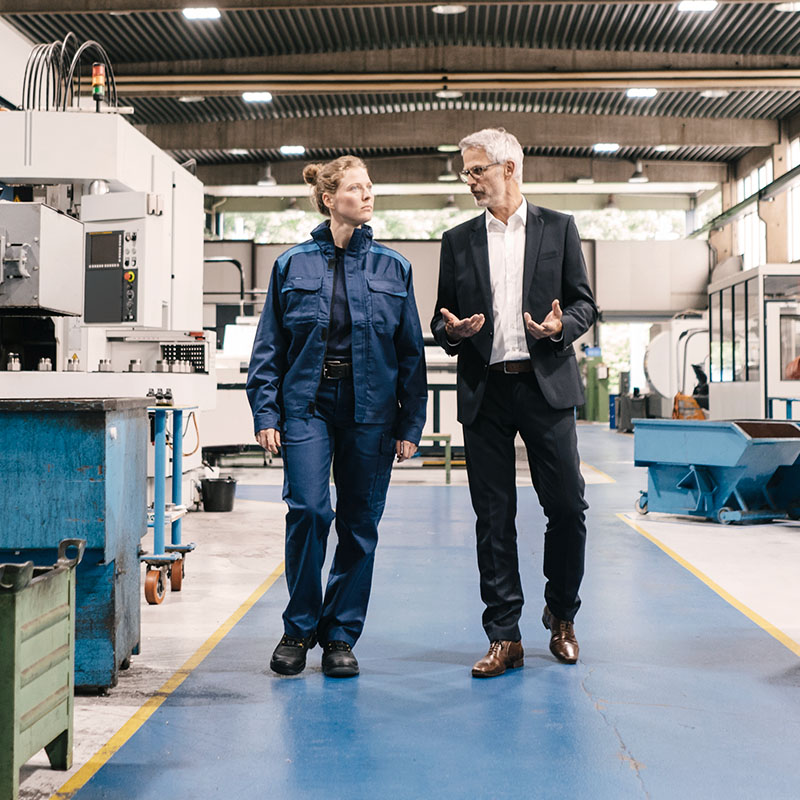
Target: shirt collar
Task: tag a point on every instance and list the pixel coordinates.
(522, 213)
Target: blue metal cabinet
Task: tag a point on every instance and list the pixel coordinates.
(78, 469)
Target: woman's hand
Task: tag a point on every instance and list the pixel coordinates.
(269, 439)
(405, 449)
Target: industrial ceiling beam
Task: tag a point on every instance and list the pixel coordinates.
(537, 169)
(424, 128)
(132, 6)
(342, 83)
(445, 59)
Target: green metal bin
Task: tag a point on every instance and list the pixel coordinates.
(37, 657)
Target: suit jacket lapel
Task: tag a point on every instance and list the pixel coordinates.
(533, 241)
(479, 248)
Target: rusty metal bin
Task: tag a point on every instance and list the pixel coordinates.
(37, 657)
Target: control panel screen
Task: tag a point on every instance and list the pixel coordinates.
(105, 249)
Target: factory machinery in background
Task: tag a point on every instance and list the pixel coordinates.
(101, 246)
(101, 272)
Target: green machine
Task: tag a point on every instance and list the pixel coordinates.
(37, 656)
(595, 375)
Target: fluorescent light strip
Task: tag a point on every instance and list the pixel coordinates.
(207, 12)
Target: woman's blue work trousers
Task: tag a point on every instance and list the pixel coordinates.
(362, 457)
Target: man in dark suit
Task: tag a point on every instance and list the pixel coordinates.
(513, 297)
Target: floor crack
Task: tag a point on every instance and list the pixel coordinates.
(625, 754)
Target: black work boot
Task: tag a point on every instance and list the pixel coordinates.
(338, 660)
(289, 657)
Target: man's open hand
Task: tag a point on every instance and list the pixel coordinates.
(456, 328)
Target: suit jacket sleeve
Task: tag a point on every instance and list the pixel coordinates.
(446, 296)
(578, 303)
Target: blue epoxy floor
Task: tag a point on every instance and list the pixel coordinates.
(676, 695)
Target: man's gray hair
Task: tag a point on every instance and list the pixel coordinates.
(499, 145)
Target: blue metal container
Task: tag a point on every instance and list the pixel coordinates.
(78, 469)
(729, 471)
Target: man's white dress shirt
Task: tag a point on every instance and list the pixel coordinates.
(506, 264)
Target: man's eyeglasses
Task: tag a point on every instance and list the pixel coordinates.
(476, 172)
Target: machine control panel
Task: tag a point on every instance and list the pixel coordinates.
(112, 275)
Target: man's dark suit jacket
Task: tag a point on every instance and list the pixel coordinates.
(554, 270)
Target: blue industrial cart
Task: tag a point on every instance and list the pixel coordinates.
(78, 469)
(728, 471)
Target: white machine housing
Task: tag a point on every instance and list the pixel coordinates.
(674, 346)
(754, 319)
(123, 184)
(38, 246)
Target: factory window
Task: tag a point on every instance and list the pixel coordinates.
(782, 287)
(790, 347)
(726, 336)
(739, 349)
(713, 316)
(753, 332)
(751, 231)
(794, 204)
(734, 333)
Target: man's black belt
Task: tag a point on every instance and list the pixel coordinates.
(335, 369)
(512, 367)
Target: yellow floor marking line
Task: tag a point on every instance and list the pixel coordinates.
(600, 472)
(85, 773)
(776, 633)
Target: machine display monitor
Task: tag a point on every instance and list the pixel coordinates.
(105, 249)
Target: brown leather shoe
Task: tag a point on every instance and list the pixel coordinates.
(563, 644)
(501, 656)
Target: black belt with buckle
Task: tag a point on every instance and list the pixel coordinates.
(512, 367)
(337, 369)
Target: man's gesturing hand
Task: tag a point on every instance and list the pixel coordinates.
(456, 328)
(551, 326)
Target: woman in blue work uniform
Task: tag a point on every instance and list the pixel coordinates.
(337, 374)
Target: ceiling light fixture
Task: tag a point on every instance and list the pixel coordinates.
(666, 148)
(447, 148)
(714, 93)
(586, 181)
(292, 149)
(237, 151)
(207, 12)
(191, 98)
(697, 5)
(449, 8)
(638, 174)
(641, 91)
(447, 174)
(267, 179)
(257, 97)
(606, 147)
(449, 94)
(792, 8)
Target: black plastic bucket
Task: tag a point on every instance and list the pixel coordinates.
(218, 493)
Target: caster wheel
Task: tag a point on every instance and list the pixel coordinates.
(641, 505)
(125, 664)
(176, 574)
(154, 587)
(723, 510)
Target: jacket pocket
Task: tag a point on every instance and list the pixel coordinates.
(300, 295)
(386, 299)
(567, 351)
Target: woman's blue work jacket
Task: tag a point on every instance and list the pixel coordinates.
(387, 350)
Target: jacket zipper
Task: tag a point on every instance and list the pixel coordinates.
(331, 265)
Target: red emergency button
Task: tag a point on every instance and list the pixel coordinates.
(130, 276)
